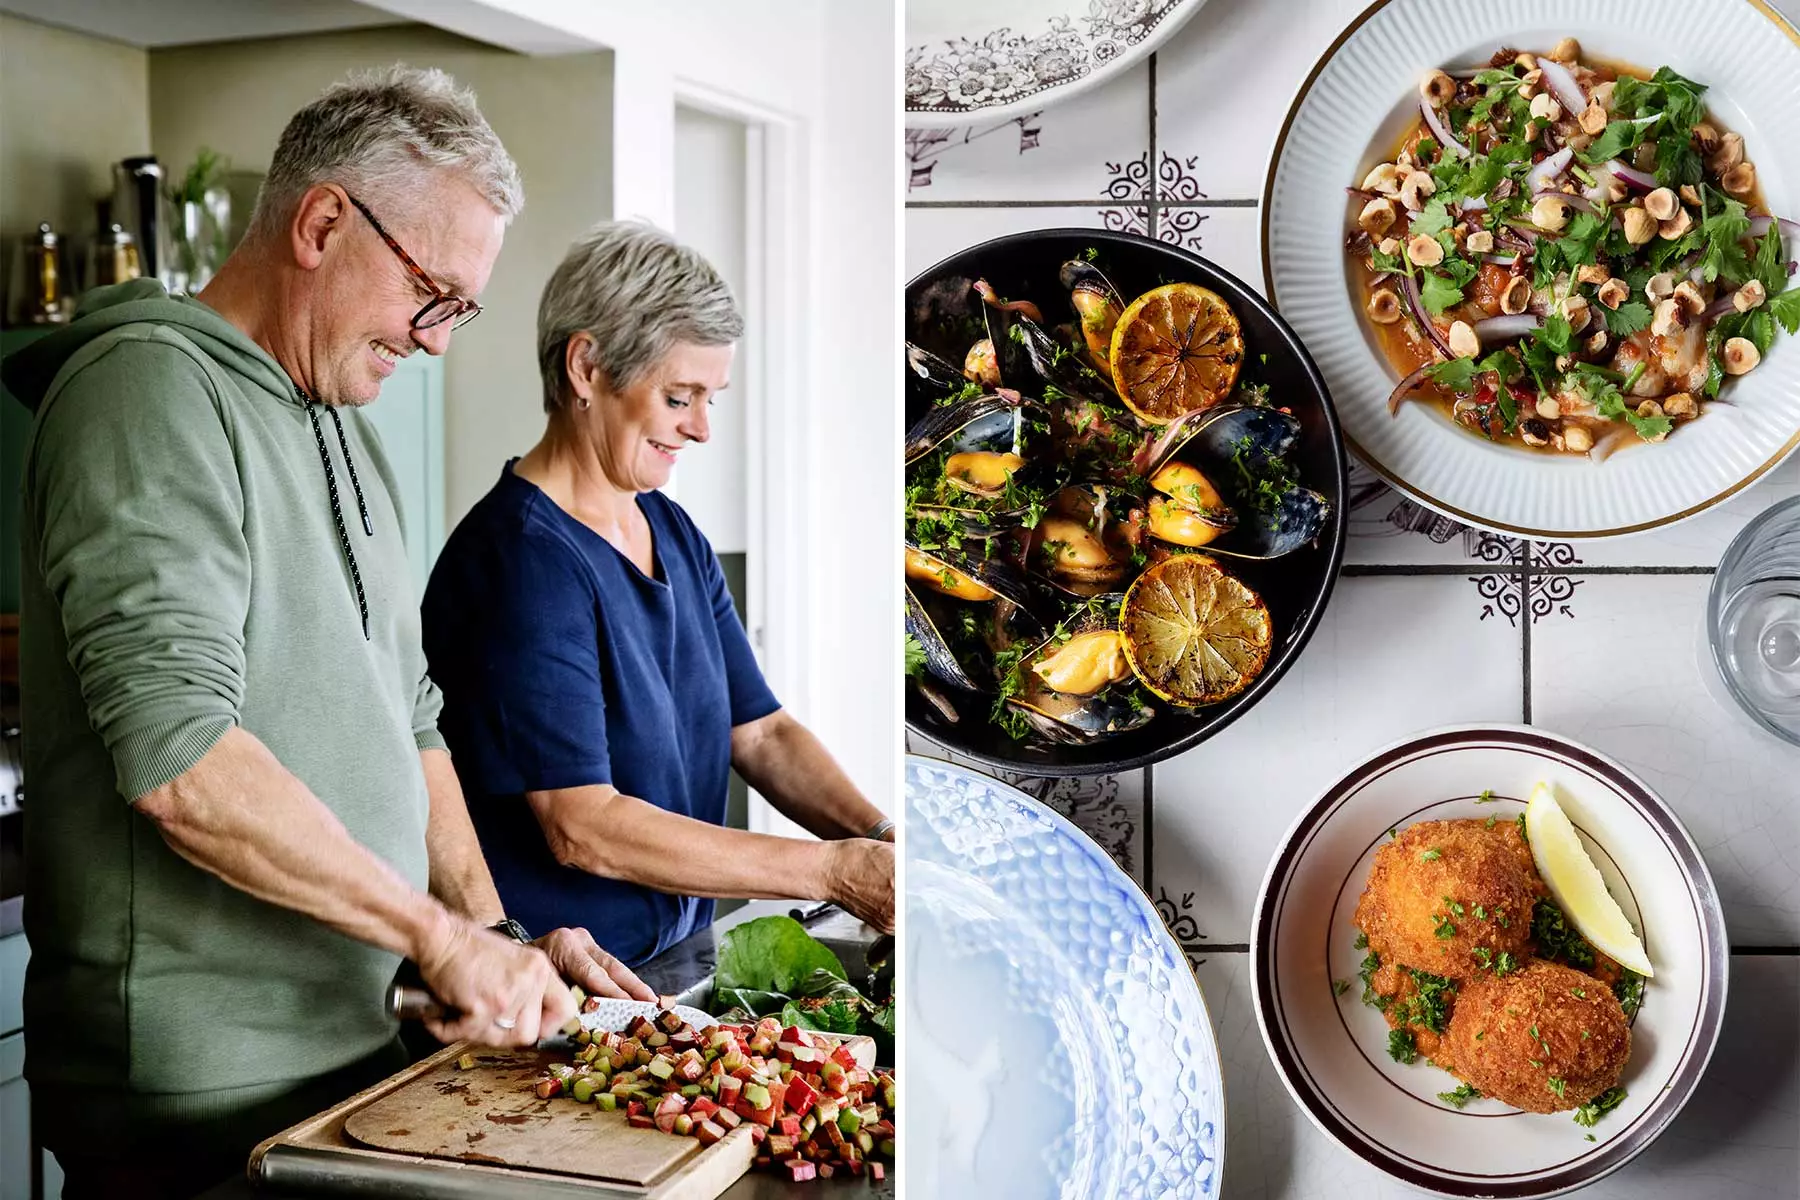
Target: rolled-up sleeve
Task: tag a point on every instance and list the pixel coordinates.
(136, 512)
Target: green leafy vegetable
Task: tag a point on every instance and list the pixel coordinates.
(915, 657)
(1556, 938)
(1402, 1046)
(1785, 308)
(1630, 991)
(1438, 293)
(773, 954)
(1599, 1106)
(1458, 374)
(1461, 1096)
(1631, 317)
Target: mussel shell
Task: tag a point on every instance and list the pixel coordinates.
(940, 659)
(1009, 354)
(1079, 720)
(929, 377)
(941, 704)
(991, 422)
(1078, 274)
(945, 318)
(1212, 440)
(1061, 366)
(997, 575)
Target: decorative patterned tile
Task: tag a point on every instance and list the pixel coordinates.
(1225, 80)
(1077, 150)
(1697, 542)
(1393, 655)
(1387, 529)
(1628, 673)
(1738, 1138)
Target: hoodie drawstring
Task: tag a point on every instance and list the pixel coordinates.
(337, 512)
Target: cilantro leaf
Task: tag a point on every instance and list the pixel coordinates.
(1724, 256)
(1631, 317)
(1438, 293)
(1677, 162)
(1614, 140)
(1786, 309)
(1770, 264)
(1556, 334)
(1433, 219)
(915, 656)
(1458, 374)
(1386, 262)
(1610, 403)
(1502, 362)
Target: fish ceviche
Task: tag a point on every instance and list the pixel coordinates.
(1567, 256)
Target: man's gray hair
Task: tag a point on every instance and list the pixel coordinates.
(637, 292)
(385, 136)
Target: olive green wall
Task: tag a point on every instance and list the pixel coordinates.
(553, 114)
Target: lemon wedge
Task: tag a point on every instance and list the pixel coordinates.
(1576, 884)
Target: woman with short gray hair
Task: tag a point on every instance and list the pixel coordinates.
(598, 686)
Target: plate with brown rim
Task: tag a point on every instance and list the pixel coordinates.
(1351, 114)
(1331, 1048)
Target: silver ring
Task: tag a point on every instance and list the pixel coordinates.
(505, 1022)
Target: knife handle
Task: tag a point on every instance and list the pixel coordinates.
(416, 1004)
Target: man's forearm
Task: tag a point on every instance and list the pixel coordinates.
(459, 873)
(241, 815)
(794, 772)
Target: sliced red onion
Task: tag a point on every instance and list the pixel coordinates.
(1500, 329)
(1562, 82)
(1441, 131)
(1640, 180)
(1474, 204)
(1580, 202)
(1500, 260)
(1760, 226)
(1719, 307)
(1540, 176)
(1416, 304)
(1603, 447)
(1697, 275)
(1398, 396)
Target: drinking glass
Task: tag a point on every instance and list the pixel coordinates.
(1753, 619)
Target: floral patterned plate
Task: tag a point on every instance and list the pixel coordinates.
(1056, 1044)
(995, 59)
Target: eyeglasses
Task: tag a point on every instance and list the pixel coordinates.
(443, 306)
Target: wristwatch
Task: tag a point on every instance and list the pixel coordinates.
(512, 929)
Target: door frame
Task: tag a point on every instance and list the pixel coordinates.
(776, 267)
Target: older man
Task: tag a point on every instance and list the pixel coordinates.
(244, 814)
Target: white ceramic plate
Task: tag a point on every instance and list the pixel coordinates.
(1353, 107)
(1331, 1050)
(980, 60)
(1056, 1044)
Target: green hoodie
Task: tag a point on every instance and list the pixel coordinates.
(183, 573)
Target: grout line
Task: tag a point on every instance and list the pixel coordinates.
(1091, 201)
(1525, 557)
(1581, 570)
(1471, 568)
(1150, 832)
(1153, 194)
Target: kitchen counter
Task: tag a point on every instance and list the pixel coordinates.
(685, 972)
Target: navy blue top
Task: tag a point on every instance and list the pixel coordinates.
(563, 664)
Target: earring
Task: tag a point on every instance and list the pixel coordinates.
(582, 402)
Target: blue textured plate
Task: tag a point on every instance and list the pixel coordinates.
(1056, 1043)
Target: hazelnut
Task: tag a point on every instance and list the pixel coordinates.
(1613, 293)
(1650, 408)
(1740, 355)
(1425, 250)
(1525, 61)
(1675, 226)
(1528, 89)
(1390, 245)
(1616, 188)
(1384, 306)
(1376, 215)
(1463, 342)
(1413, 191)
(1577, 438)
(1687, 294)
(1740, 180)
(1403, 162)
(1706, 138)
(1682, 406)
(1516, 297)
(1550, 213)
(1545, 108)
(1577, 310)
(1644, 157)
(1384, 179)
(1532, 129)
(1640, 226)
(1593, 119)
(1690, 193)
(1437, 88)
(1578, 142)
(1749, 296)
(1567, 50)
(1548, 408)
(1480, 242)
(1660, 286)
(1661, 204)
(1670, 317)
(1597, 343)
(1592, 273)
(1729, 154)
(1602, 95)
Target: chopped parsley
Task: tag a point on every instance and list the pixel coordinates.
(1445, 927)
(1486, 797)
(1339, 986)
(1370, 964)
(1599, 1106)
(1460, 1096)
(1556, 1085)
(1402, 1046)
(1429, 1005)
(1556, 939)
(1630, 991)
(1431, 855)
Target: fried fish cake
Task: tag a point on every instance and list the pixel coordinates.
(1545, 1038)
(1451, 897)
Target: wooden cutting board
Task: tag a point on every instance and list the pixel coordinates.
(492, 1114)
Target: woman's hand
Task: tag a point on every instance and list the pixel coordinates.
(859, 878)
(582, 962)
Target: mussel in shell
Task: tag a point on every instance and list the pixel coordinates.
(1085, 663)
(941, 659)
(995, 422)
(1098, 303)
(1244, 448)
(1063, 368)
(931, 379)
(1072, 689)
(1190, 511)
(982, 472)
(940, 576)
